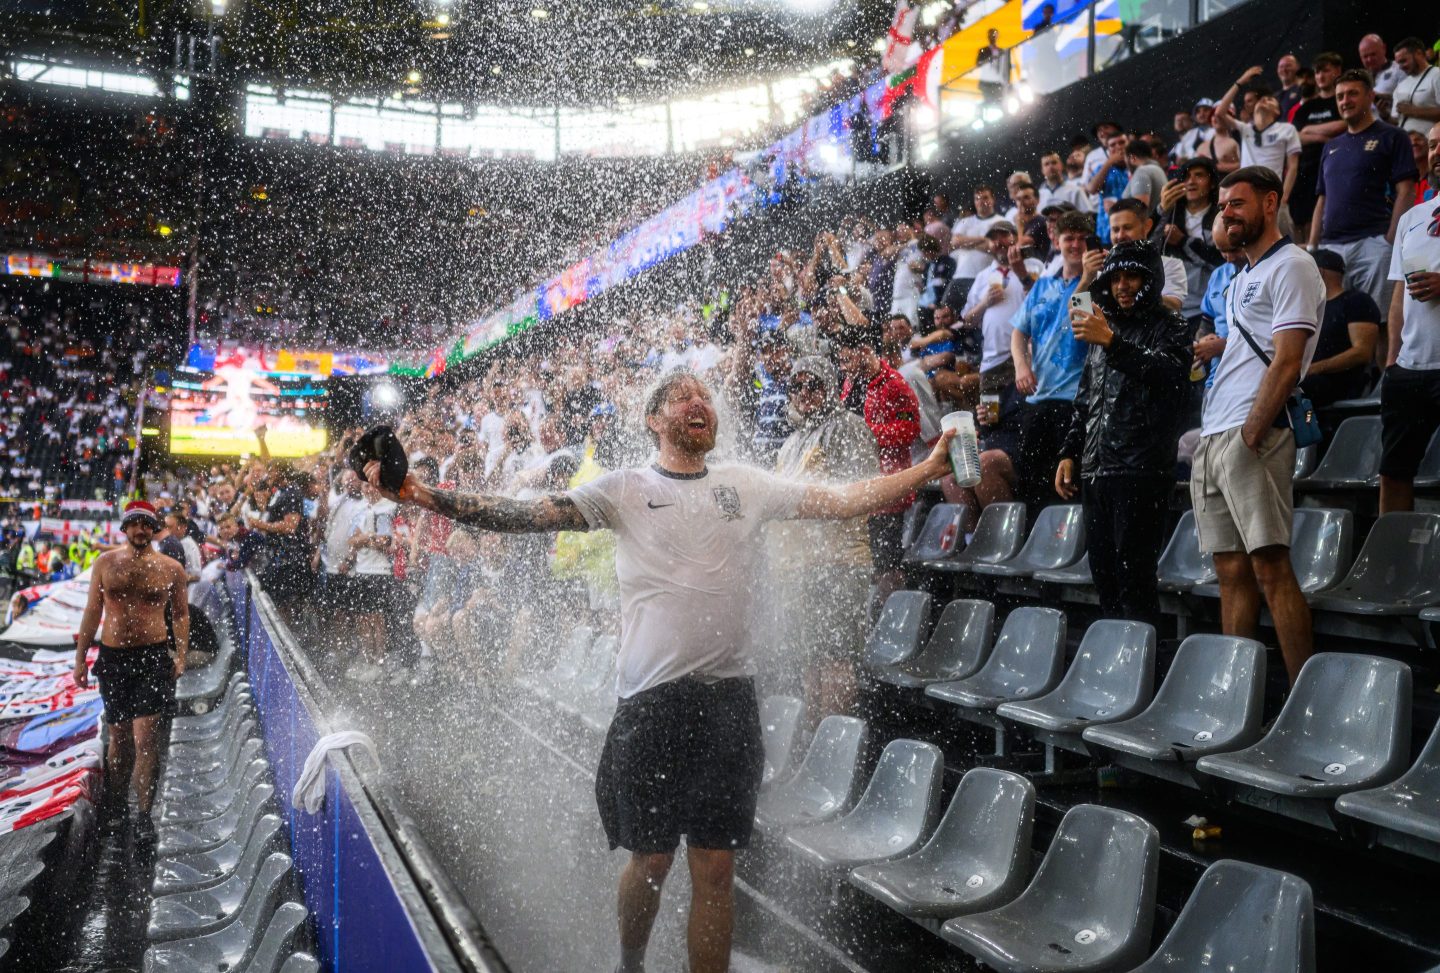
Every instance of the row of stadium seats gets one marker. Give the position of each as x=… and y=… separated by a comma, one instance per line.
x=1337, y=753
x=1397, y=572
x=224, y=889
x=1352, y=460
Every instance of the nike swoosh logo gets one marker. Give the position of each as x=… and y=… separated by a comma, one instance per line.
x=656, y=506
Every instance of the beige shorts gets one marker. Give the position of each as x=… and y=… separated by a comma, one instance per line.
x=1243, y=500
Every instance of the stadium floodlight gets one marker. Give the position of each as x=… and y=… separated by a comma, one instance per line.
x=978, y=124
x=992, y=113
x=385, y=396
x=442, y=19
x=539, y=13
x=1012, y=105
x=413, y=77
x=879, y=46
x=749, y=52
x=809, y=7
x=700, y=6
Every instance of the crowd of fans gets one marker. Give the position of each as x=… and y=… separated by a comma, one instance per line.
x=1084, y=316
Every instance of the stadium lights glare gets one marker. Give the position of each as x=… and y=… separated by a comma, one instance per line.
x=978, y=125
x=385, y=396
x=217, y=7
x=646, y=62
x=749, y=52
x=700, y=6
x=539, y=13
x=495, y=69
x=442, y=19
x=1012, y=105
x=1027, y=93
x=992, y=113
x=850, y=42
x=879, y=46
x=413, y=77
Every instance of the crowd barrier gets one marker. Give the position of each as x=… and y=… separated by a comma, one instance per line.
x=377, y=899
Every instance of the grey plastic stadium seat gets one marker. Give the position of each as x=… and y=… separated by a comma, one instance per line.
x=23, y=845
x=229, y=946
x=1182, y=566
x=942, y=536
x=236, y=691
x=176, y=789
x=1056, y=540
x=1305, y=458
x=1344, y=727
x=185, y=915
x=207, y=734
x=276, y=949
x=1077, y=574
x=898, y=631
x=1369, y=402
x=978, y=858
x=1397, y=572
x=19, y=875
x=202, y=869
x=1111, y=679
x=12, y=908
x=998, y=536
x=187, y=836
x=197, y=689
x=1427, y=477
x=299, y=962
x=1321, y=541
x=1409, y=807
x=197, y=758
x=824, y=783
x=891, y=818
x=218, y=801
x=1090, y=907
x=1026, y=662
x=958, y=647
x=1241, y=917
x=1353, y=460
x=1212, y=701
x=779, y=722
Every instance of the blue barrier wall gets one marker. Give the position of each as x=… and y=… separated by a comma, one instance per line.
x=358, y=915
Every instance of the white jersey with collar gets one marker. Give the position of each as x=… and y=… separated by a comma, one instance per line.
x=1279, y=292
x=688, y=553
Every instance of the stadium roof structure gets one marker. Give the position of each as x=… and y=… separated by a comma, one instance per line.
x=542, y=52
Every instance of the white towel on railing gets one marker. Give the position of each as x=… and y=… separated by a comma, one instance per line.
x=309, y=794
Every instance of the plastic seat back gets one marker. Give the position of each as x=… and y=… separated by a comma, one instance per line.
x=779, y=720
x=986, y=832
x=827, y=776
x=899, y=630
x=961, y=641
x=1353, y=457
x=1399, y=563
x=1214, y=693
x=278, y=942
x=1057, y=539
x=300, y=963
x=1411, y=803
x=1320, y=543
x=903, y=795
x=1348, y=716
x=1113, y=673
x=1182, y=566
x=998, y=535
x=1241, y=917
x=1028, y=656
x=941, y=538
x=1305, y=458
x=1098, y=874
x=1428, y=476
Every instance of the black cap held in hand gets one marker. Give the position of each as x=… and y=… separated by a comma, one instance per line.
x=381, y=443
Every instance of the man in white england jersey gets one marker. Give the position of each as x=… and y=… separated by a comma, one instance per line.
x=1240, y=485
x=683, y=754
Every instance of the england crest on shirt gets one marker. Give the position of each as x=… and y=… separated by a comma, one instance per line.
x=727, y=500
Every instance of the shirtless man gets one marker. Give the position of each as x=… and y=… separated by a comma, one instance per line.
x=132, y=585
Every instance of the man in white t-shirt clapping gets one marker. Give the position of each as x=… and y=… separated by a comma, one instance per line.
x=1240, y=485
x=683, y=755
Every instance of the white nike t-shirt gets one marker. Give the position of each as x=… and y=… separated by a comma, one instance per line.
x=687, y=557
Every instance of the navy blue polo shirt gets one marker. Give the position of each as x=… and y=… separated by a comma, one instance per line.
x=1356, y=173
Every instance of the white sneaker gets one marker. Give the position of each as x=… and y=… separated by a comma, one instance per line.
x=364, y=672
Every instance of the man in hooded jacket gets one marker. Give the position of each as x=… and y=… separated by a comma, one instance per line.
x=1127, y=419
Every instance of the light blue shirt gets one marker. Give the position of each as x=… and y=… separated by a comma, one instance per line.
x=1055, y=355
x=1212, y=305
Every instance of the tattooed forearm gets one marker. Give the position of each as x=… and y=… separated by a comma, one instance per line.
x=481, y=511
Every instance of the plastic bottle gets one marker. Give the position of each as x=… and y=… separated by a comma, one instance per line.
x=964, y=448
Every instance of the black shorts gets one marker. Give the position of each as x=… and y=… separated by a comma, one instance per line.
x=887, y=541
x=682, y=758
x=334, y=593
x=287, y=583
x=136, y=681
x=1409, y=416
x=370, y=593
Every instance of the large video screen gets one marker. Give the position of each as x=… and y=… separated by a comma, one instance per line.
x=216, y=413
